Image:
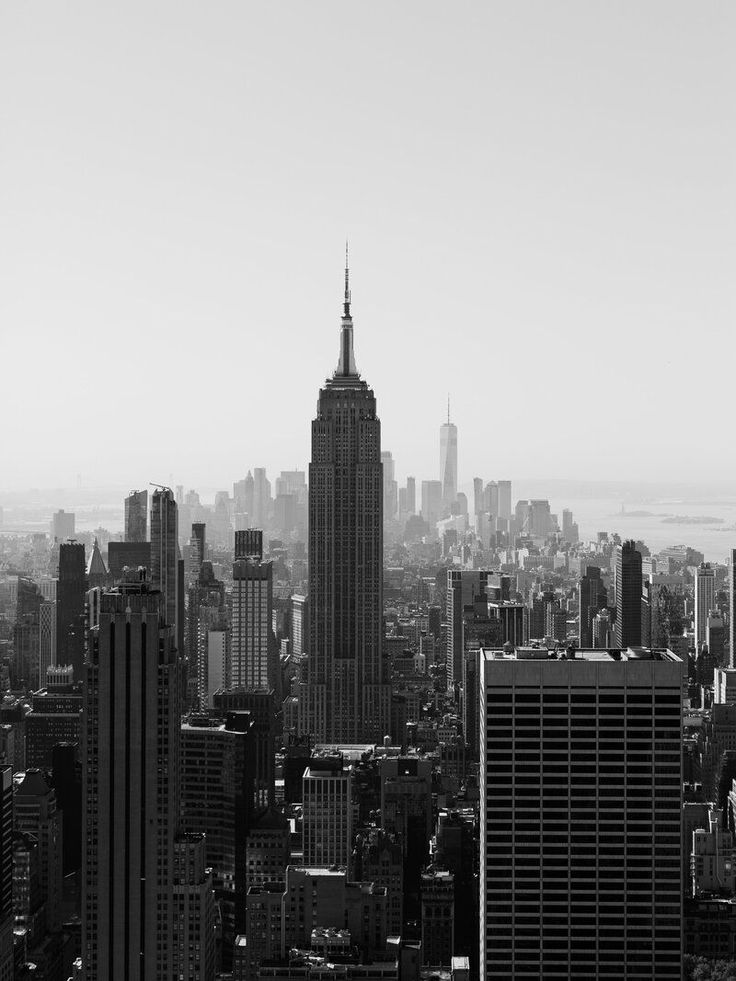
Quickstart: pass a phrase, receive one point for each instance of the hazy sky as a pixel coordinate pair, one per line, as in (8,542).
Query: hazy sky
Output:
(540,200)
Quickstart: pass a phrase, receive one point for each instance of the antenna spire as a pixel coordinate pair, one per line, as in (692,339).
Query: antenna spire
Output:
(346,305)
(448,408)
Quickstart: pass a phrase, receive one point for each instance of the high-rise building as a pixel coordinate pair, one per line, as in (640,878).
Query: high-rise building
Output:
(136,516)
(478,503)
(732,610)
(705,596)
(165,556)
(504,499)
(62,526)
(390,486)
(592,597)
(218,797)
(198,546)
(70,600)
(46,639)
(411,496)
(6,873)
(346,698)
(628,583)
(586,880)
(464,588)
(299,624)
(130,740)
(36,813)
(193,936)
(261,510)
(252,650)
(260,706)
(327,815)
(432,504)
(448,462)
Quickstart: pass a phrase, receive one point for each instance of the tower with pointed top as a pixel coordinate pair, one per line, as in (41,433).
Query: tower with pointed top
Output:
(346,698)
(448,461)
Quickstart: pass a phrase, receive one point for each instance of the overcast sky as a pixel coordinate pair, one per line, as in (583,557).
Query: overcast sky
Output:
(540,201)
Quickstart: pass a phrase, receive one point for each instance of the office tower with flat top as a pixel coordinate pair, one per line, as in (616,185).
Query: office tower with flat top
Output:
(136,516)
(347,698)
(70,600)
(165,558)
(581,796)
(252,651)
(130,761)
(627,630)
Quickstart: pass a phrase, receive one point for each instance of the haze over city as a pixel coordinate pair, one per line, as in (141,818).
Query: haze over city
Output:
(539,199)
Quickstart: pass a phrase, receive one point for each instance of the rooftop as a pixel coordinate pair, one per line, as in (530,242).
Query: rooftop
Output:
(582,654)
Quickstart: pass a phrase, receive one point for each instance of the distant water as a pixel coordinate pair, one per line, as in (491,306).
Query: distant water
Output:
(604,514)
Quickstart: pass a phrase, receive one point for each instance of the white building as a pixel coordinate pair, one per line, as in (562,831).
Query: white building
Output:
(327,815)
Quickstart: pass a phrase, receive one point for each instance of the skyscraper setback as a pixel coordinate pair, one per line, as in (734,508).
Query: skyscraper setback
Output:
(347,699)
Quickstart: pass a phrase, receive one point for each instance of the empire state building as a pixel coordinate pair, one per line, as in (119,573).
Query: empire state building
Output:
(347,699)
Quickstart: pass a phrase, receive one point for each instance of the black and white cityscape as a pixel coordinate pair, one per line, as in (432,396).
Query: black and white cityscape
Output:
(367,607)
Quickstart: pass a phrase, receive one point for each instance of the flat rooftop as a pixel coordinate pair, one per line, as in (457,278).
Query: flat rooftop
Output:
(588,654)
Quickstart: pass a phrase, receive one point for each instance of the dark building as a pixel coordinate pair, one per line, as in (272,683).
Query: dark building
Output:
(199,546)
(218,798)
(261,707)
(71,593)
(136,516)
(378,858)
(26,634)
(165,555)
(130,755)
(55,717)
(627,630)
(205,609)
(465,588)
(6,873)
(347,698)
(131,555)
(592,597)
(67,781)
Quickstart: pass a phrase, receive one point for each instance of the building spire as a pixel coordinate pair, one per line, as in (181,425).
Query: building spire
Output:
(346,365)
(346,305)
(448,408)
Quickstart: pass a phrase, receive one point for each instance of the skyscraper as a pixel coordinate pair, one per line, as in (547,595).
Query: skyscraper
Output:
(504,499)
(448,461)
(130,752)
(732,610)
(585,879)
(705,595)
(136,516)
(6,873)
(70,600)
(390,487)
(251,649)
(347,698)
(165,554)
(432,504)
(627,631)
(592,597)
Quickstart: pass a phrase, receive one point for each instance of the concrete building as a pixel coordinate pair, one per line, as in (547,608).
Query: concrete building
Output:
(267,847)
(438,916)
(628,586)
(62,526)
(586,750)
(712,859)
(432,505)
(705,600)
(136,516)
(193,937)
(252,650)
(165,559)
(327,815)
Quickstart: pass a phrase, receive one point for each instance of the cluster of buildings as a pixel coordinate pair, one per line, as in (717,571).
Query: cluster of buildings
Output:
(361,731)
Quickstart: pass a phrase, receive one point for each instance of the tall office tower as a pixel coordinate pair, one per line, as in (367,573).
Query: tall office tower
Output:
(165,556)
(62,526)
(198,545)
(406,811)
(411,496)
(378,858)
(214,669)
(448,462)
(347,698)
(70,599)
(67,778)
(252,650)
(298,624)
(35,813)
(193,937)
(705,599)
(715,637)
(478,502)
(136,516)
(130,752)
(261,498)
(6,873)
(327,815)
(504,499)
(261,707)
(627,630)
(218,797)
(267,847)
(586,880)
(732,610)
(206,611)
(464,588)
(55,717)
(432,504)
(592,597)
(570,531)
(390,486)
(438,916)
(490,498)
